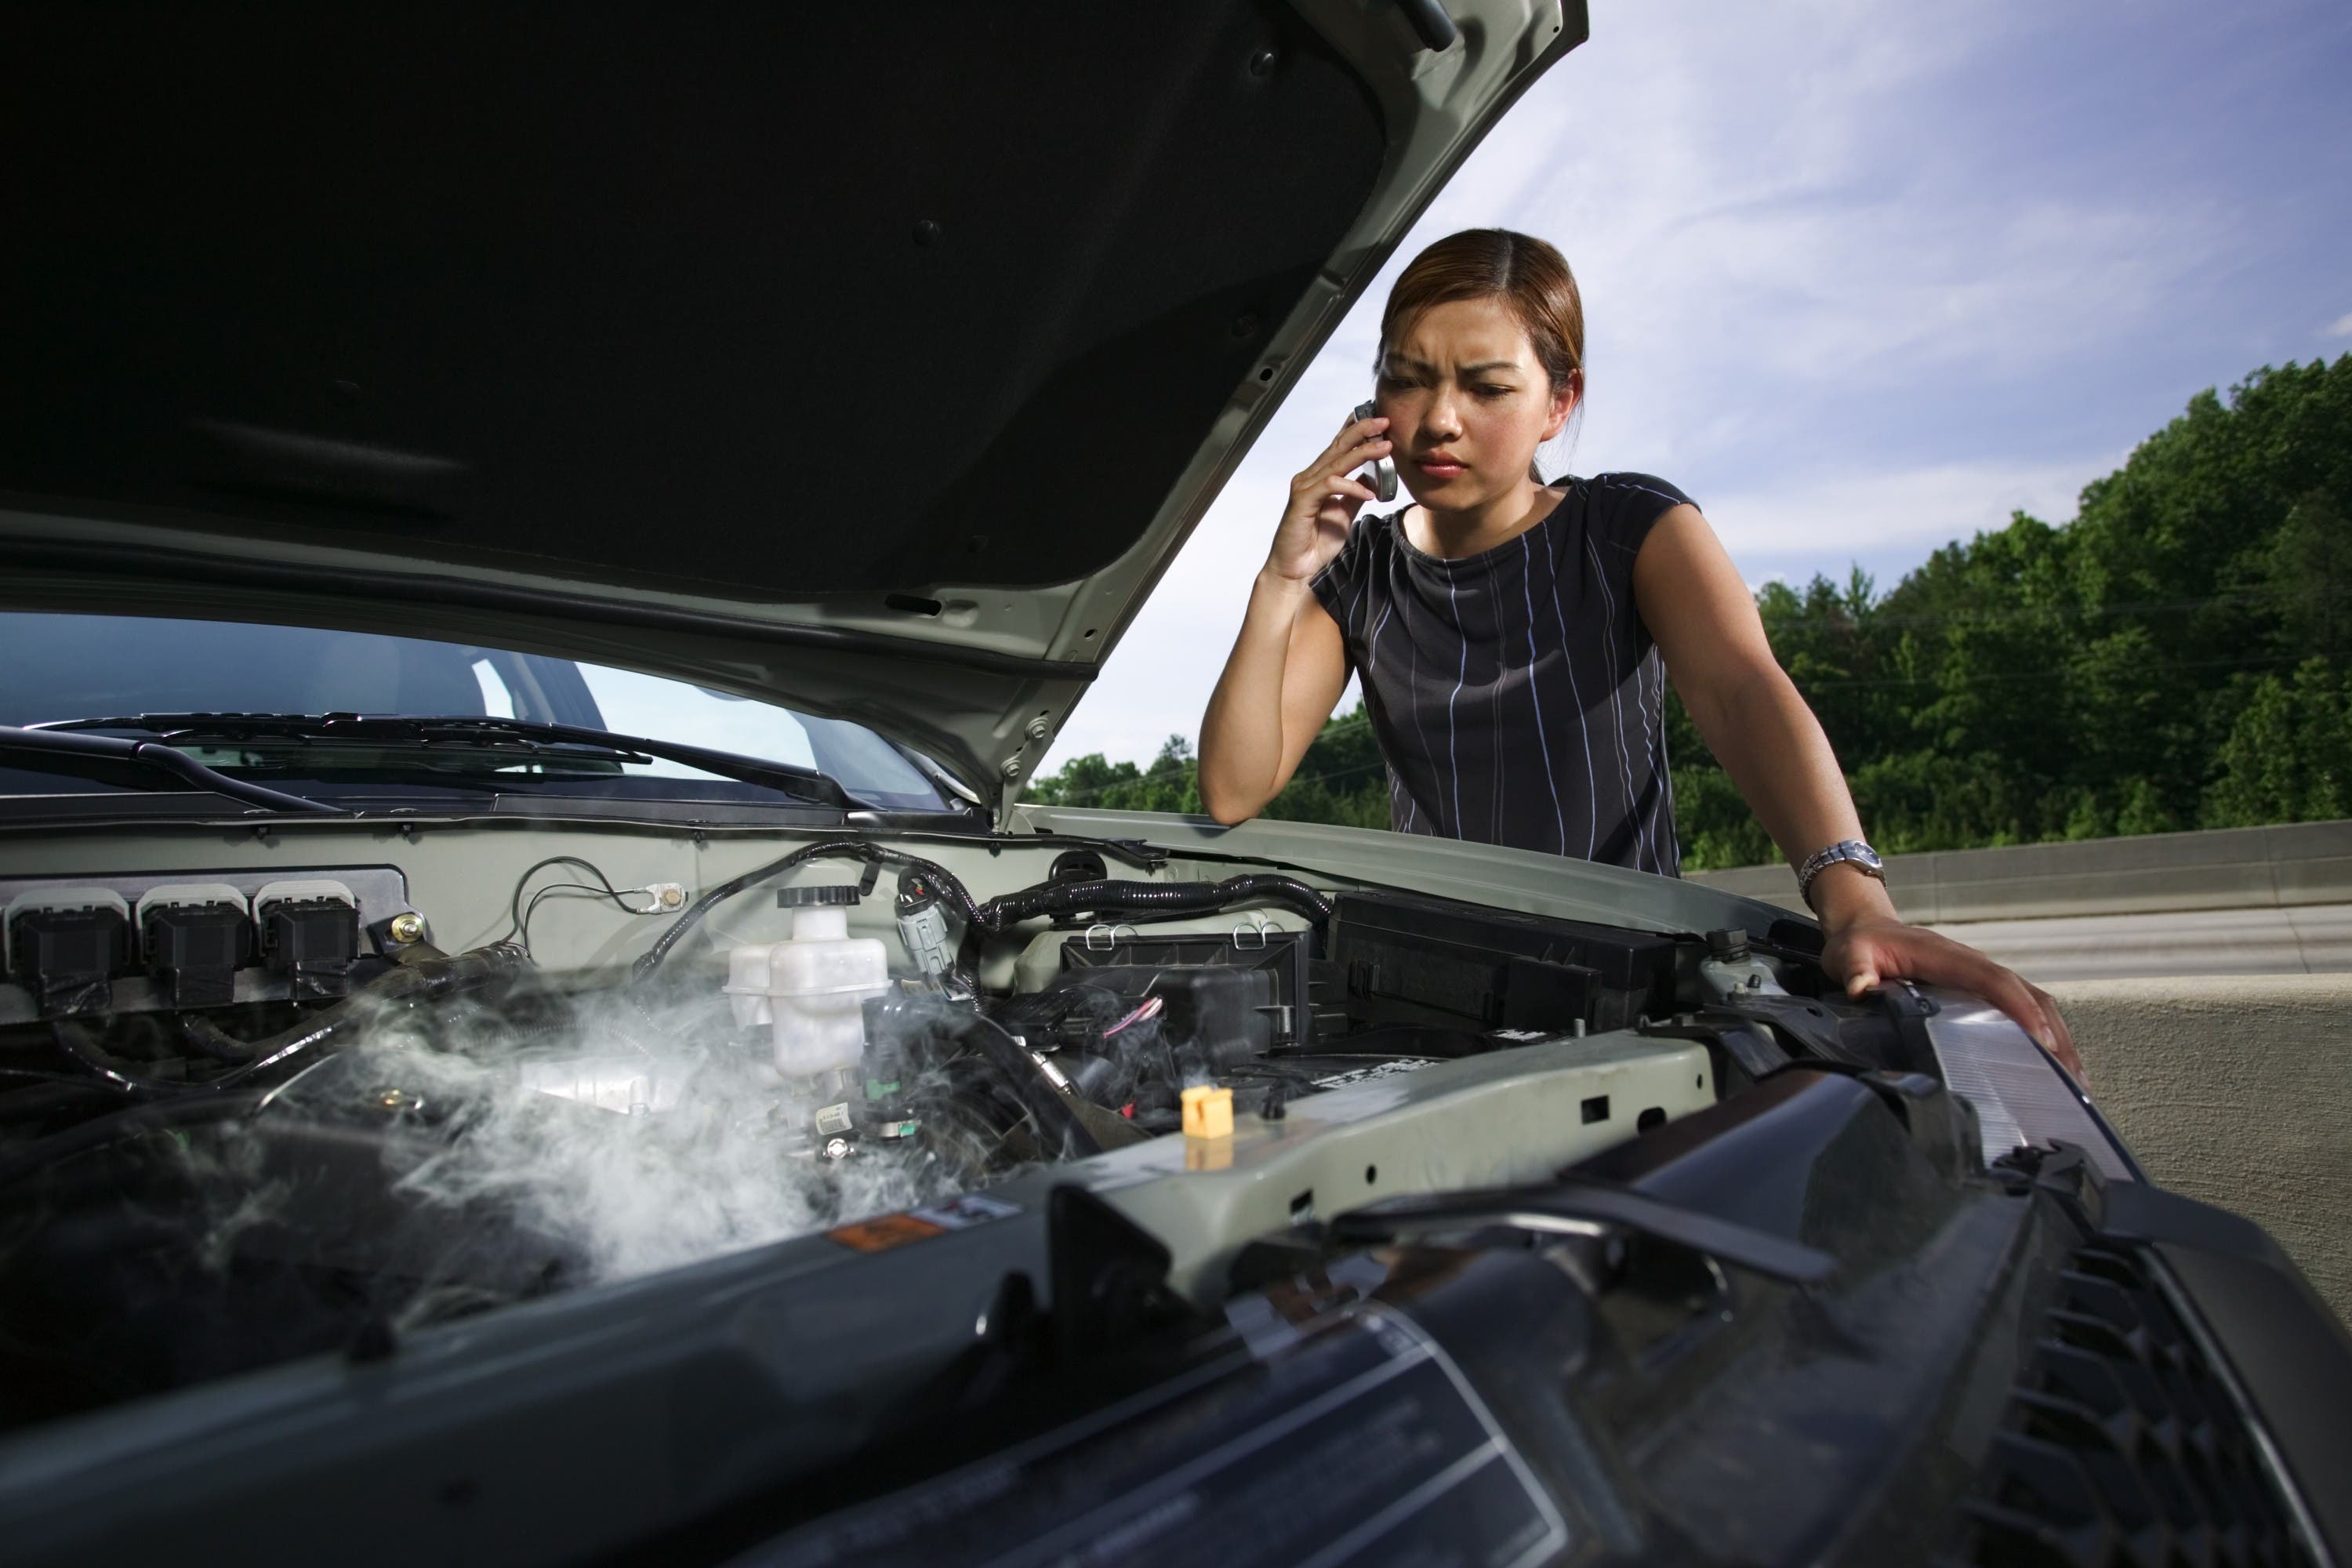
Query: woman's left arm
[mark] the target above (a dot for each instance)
(1752, 716)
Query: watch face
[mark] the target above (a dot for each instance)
(1864, 855)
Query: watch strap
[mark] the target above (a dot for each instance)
(1848, 849)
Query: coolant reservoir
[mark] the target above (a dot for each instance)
(809, 990)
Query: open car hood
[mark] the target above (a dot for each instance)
(876, 360)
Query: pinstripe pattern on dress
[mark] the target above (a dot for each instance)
(1383, 591)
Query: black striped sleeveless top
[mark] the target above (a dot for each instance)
(1517, 695)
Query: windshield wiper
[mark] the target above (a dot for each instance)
(45, 751)
(524, 737)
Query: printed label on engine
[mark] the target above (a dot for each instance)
(1376, 1072)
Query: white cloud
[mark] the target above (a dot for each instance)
(2341, 327)
(1833, 517)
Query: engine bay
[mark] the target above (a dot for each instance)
(253, 1114)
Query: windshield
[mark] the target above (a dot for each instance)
(62, 667)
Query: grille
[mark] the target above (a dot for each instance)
(2119, 1449)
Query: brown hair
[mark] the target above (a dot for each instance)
(1530, 276)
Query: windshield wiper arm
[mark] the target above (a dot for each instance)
(524, 735)
(47, 750)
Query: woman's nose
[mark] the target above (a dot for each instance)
(1442, 419)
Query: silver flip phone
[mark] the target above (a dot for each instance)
(1385, 474)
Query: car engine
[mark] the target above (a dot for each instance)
(246, 1118)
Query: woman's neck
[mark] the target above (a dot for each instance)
(1452, 534)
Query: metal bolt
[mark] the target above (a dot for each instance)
(1038, 729)
(407, 927)
(1262, 63)
(927, 231)
(836, 1148)
(1011, 768)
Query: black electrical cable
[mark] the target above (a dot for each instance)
(1053, 1112)
(947, 886)
(1050, 898)
(1153, 898)
(69, 1040)
(519, 918)
(547, 888)
(416, 979)
(102, 1129)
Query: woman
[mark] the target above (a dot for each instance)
(1510, 634)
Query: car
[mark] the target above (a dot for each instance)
(538, 548)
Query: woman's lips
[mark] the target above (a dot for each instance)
(1440, 468)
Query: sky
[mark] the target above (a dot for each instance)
(1860, 277)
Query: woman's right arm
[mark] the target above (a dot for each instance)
(1290, 663)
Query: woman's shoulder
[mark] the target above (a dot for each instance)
(1630, 489)
(1620, 508)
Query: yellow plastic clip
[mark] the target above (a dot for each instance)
(1207, 1112)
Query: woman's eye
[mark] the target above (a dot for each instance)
(1491, 390)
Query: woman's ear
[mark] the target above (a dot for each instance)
(1563, 403)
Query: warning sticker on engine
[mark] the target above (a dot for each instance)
(971, 1209)
(886, 1231)
(883, 1232)
(1376, 1072)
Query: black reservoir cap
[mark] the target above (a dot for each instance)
(807, 898)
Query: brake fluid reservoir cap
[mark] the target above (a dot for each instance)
(807, 898)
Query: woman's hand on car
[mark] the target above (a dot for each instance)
(1324, 500)
(1875, 948)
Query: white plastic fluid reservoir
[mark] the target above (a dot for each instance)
(810, 989)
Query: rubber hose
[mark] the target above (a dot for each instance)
(420, 979)
(105, 1129)
(1010, 1062)
(949, 888)
(1048, 1106)
(1164, 897)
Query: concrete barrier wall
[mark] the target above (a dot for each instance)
(2228, 869)
(2236, 1092)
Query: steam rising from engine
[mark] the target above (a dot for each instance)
(638, 1139)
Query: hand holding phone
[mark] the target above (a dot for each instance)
(1326, 495)
(1385, 474)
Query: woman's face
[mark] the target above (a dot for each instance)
(1468, 402)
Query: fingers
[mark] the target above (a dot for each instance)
(1909, 952)
(1863, 975)
(1352, 438)
(2059, 1041)
(2036, 1012)
(1353, 488)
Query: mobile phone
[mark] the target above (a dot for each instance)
(1384, 474)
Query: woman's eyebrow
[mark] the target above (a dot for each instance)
(1407, 362)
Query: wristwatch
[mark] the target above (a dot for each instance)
(1854, 850)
